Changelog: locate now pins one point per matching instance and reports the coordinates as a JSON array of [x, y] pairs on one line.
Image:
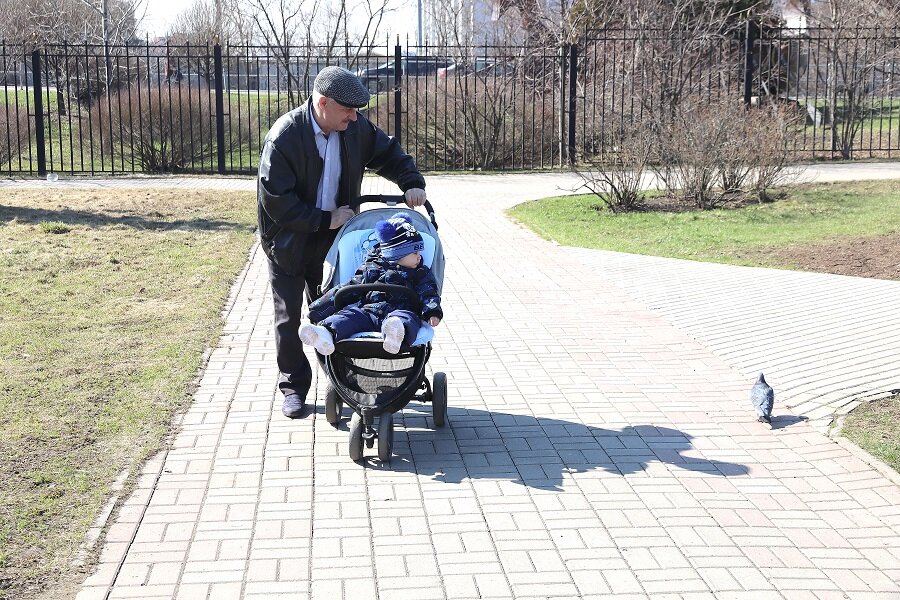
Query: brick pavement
[[600, 445]]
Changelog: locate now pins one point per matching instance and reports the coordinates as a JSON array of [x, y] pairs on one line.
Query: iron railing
[[207, 108], [844, 85]]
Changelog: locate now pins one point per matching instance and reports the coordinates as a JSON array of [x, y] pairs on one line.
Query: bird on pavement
[[763, 398]]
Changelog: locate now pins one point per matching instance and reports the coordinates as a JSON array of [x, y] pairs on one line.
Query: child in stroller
[[379, 371], [395, 260]]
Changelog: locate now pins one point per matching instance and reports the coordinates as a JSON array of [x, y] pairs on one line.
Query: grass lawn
[[107, 302], [812, 213], [874, 426]]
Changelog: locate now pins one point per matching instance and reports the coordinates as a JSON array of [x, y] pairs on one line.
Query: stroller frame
[[374, 422]]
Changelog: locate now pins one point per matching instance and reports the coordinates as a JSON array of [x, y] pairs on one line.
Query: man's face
[[334, 116]]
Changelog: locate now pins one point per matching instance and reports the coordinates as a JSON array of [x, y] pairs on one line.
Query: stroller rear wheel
[[333, 406], [356, 438], [439, 399], [385, 436]]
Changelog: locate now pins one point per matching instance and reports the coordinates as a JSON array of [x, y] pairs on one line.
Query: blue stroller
[[361, 374]]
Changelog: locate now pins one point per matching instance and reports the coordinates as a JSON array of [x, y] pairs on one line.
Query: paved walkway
[[600, 440]]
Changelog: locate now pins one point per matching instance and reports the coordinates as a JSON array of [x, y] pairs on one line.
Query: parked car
[[380, 78], [479, 66]]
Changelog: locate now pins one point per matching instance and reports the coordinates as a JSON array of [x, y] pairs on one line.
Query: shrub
[[163, 129], [693, 147], [14, 133], [771, 147], [616, 176], [475, 120], [711, 154]]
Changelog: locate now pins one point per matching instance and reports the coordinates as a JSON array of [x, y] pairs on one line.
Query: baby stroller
[[361, 374]]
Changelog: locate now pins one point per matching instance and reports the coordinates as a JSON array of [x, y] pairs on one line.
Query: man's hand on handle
[[340, 215], [415, 197], [434, 321]]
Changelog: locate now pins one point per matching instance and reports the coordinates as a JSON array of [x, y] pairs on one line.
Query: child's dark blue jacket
[[377, 269]]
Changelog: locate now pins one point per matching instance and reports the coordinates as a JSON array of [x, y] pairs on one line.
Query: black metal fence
[[843, 85], [86, 109]]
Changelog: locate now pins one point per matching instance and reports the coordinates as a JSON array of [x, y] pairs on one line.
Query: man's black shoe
[[292, 407]]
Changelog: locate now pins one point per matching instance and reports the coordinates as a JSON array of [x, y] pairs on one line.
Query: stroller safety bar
[[352, 293], [391, 200]]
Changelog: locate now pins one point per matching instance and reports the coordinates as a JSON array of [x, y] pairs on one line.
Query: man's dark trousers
[[288, 291]]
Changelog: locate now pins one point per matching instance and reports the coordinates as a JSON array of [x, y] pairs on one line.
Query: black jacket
[[289, 173]]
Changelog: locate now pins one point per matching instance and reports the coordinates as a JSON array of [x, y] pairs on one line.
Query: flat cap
[[341, 85]]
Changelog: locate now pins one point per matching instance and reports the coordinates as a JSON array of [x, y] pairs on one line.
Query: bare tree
[[38, 23], [321, 28], [484, 91], [860, 47], [42, 24], [671, 71]]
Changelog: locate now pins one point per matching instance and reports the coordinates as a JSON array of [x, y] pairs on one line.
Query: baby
[[397, 260]]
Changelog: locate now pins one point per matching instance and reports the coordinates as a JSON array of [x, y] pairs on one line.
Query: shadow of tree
[[99, 219], [537, 452]]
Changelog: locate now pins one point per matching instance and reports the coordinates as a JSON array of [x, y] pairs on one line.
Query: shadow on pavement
[[780, 422], [537, 452]]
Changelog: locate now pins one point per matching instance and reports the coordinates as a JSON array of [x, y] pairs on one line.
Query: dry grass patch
[[873, 427], [107, 301]]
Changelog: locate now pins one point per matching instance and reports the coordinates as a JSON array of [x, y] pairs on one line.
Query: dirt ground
[[876, 257]]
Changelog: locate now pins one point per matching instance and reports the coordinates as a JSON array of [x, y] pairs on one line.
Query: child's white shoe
[[318, 337], [393, 332]]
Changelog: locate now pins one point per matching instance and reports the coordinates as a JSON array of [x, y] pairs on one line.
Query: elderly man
[[311, 166]]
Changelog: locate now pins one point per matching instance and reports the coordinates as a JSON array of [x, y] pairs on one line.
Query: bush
[[164, 129], [723, 151], [695, 148], [616, 177], [15, 127], [771, 147], [480, 121]]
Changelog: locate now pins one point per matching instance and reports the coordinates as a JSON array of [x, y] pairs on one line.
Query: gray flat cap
[[341, 85]]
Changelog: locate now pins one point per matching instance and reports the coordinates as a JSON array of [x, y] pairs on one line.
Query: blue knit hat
[[397, 237]]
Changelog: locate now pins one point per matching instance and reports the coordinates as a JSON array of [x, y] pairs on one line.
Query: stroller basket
[[371, 382]]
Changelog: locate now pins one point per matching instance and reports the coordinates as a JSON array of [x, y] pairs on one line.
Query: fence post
[[38, 112], [398, 100], [751, 33], [573, 81], [563, 57], [220, 109]]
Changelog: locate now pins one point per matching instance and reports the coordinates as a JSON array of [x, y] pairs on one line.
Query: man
[[311, 166]]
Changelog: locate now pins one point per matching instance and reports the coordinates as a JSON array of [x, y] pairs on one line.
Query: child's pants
[[352, 319]]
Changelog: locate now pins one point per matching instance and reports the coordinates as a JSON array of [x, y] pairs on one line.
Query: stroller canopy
[[357, 237]]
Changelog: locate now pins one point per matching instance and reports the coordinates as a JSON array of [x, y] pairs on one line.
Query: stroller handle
[[390, 200], [351, 293]]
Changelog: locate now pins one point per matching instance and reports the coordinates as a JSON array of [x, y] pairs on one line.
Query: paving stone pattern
[[600, 442]]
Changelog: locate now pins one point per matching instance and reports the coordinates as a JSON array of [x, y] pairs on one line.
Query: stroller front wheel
[[385, 436], [439, 399], [333, 407], [356, 438]]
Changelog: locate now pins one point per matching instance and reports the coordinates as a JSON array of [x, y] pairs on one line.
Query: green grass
[[813, 213], [54, 227], [873, 426], [102, 329]]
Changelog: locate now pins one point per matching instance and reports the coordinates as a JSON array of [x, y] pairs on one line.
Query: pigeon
[[763, 398]]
